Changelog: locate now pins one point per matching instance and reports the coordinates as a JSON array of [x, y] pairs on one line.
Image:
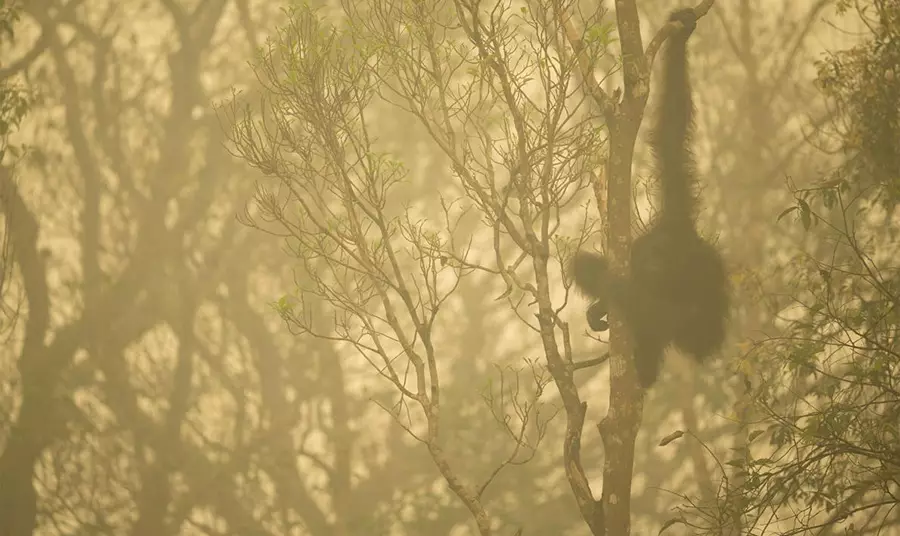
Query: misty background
[[256, 281]]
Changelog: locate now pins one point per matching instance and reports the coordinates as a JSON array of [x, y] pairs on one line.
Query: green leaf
[[785, 212], [805, 214]]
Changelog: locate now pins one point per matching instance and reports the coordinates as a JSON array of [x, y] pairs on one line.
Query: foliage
[[14, 102], [864, 84], [14, 99]]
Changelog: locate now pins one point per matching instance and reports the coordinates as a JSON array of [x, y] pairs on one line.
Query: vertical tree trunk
[[620, 426]]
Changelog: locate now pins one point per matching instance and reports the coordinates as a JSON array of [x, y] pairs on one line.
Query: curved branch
[[656, 43], [42, 43], [26, 60]]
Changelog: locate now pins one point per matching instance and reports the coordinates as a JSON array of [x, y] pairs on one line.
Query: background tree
[[13, 106]]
